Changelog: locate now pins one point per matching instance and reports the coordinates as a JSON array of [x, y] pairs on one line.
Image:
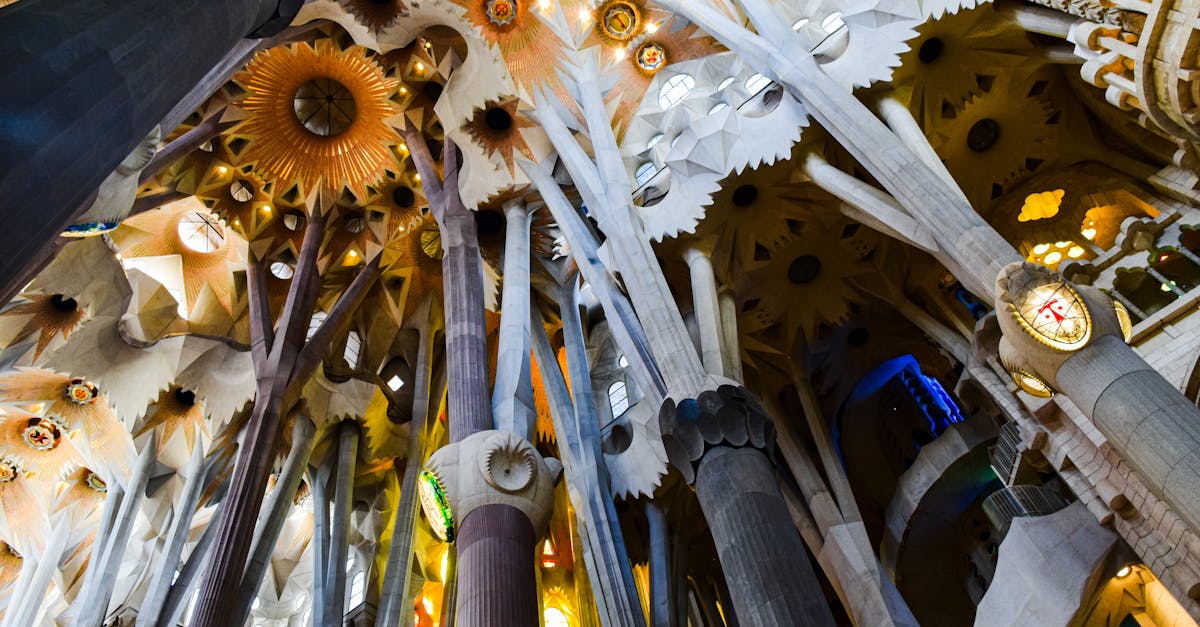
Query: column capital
[[487, 468], [728, 415], [1044, 319]]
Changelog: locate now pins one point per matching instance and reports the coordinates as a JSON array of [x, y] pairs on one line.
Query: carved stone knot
[[728, 416]]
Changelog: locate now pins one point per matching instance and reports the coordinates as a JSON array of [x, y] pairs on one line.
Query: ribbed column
[[1145, 418], [765, 564], [660, 574], [83, 82], [496, 547], [335, 581], [708, 313]]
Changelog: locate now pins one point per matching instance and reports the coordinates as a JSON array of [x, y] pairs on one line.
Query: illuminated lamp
[[620, 20], [1124, 320], [41, 435], [95, 482], [82, 392], [1031, 384], [502, 12], [435, 505], [8, 471], [1052, 312], [651, 57], [1124, 571]]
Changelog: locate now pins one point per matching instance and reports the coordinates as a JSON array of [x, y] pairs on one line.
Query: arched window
[[757, 83], [358, 589], [314, 323], [353, 347], [832, 22], [645, 172], [675, 89], [618, 398], [554, 617]]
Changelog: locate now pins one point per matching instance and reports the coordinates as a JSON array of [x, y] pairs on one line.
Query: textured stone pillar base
[[766, 566], [497, 585]]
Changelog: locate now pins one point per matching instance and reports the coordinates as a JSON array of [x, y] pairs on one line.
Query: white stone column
[[731, 350], [335, 577], [512, 396], [707, 309], [160, 585]]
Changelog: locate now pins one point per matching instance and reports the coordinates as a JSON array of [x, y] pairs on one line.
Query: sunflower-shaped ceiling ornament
[[958, 57], [80, 412], [80, 493], [999, 139], [411, 267], [805, 284], [207, 249], [526, 43], [496, 127], [318, 114], [376, 15], [402, 200], [753, 214], [180, 414], [38, 443], [636, 42], [49, 316]]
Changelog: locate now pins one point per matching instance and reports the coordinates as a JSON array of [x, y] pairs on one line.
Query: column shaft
[[765, 564], [497, 585], [512, 398], [707, 310], [340, 522], [660, 590], [1145, 418]]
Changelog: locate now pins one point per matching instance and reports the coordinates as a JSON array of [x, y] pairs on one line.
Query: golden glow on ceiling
[[283, 149]]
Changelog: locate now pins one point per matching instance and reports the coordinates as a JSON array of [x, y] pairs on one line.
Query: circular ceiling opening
[[403, 197], [745, 195], [931, 50], [325, 107], [498, 119], [489, 222], [185, 397], [62, 303], [804, 269], [983, 135]]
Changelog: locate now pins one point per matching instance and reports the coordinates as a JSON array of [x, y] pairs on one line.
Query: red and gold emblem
[[82, 392], [8, 471], [620, 20], [502, 12], [651, 57], [41, 434]]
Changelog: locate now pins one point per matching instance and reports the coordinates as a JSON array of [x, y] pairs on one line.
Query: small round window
[[201, 232]]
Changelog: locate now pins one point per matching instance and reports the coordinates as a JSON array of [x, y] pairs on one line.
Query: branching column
[[495, 531]]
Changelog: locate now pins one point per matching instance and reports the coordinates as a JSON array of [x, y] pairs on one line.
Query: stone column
[[731, 350], [335, 578], [660, 591], [1064, 337], [318, 479], [275, 511], [500, 494], [707, 309], [512, 396], [84, 81], [160, 585], [394, 594], [716, 441]]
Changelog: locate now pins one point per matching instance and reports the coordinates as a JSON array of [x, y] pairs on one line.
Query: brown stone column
[[83, 82], [497, 585]]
